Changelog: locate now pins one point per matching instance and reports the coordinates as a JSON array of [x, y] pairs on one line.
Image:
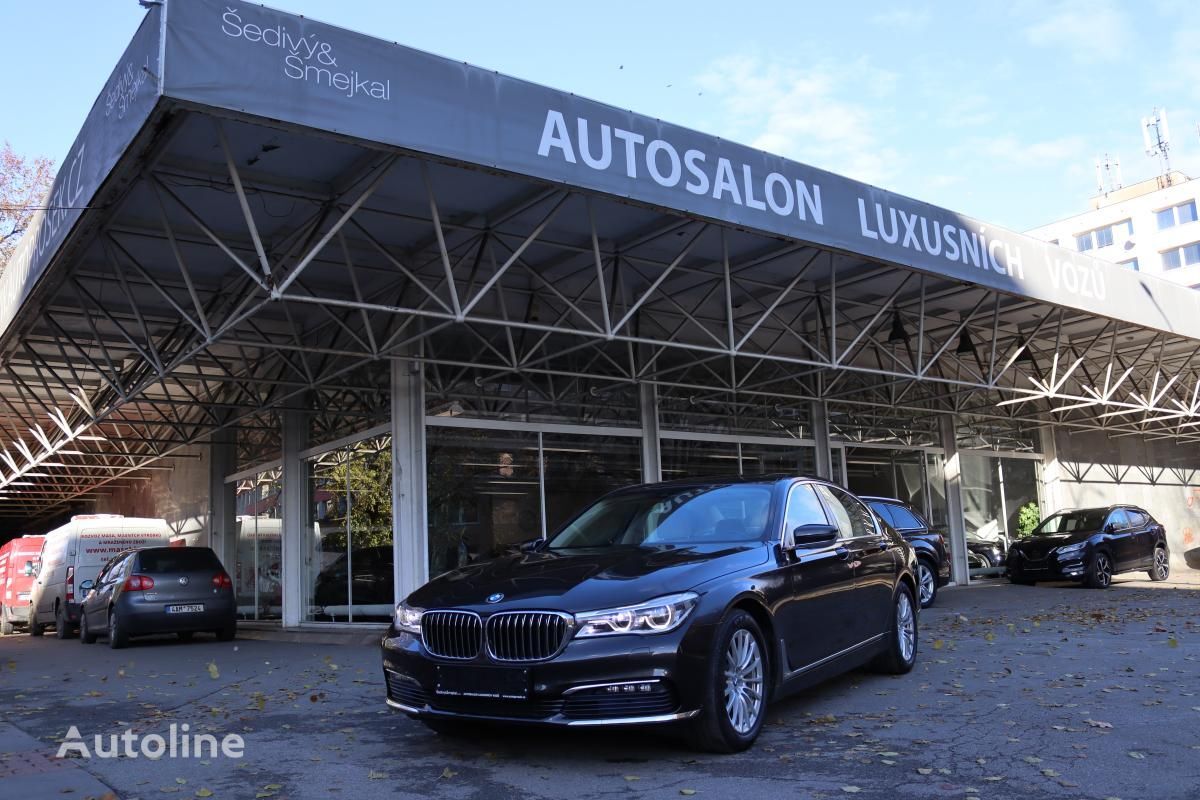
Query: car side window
[[905, 519], [853, 518], [884, 510], [1138, 519], [803, 508], [1119, 519]]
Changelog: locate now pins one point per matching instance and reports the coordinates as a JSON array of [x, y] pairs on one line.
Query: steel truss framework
[[245, 269]]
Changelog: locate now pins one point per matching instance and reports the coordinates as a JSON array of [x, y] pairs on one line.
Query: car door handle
[[842, 552]]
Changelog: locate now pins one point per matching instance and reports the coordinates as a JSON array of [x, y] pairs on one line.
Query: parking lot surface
[[1019, 692]]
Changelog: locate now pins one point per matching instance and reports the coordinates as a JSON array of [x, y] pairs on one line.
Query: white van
[[75, 553]]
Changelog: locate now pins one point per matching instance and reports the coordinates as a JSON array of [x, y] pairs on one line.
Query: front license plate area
[[496, 683], [193, 608]]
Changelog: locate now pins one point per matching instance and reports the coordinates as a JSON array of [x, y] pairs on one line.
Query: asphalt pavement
[[1019, 692]]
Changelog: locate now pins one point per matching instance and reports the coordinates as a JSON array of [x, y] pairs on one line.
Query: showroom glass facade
[[491, 489], [257, 560], [500, 468], [350, 562]]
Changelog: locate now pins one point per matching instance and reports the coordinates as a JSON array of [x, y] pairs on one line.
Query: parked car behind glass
[[178, 590], [933, 558], [692, 603], [1091, 545]]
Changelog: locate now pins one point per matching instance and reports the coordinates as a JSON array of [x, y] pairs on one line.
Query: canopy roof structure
[[261, 211]]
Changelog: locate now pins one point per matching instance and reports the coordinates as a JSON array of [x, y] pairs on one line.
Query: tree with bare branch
[[24, 185]]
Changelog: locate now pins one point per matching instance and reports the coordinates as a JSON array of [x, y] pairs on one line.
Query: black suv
[[933, 559], [1091, 545]]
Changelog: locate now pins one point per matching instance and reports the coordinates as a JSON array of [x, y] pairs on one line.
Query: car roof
[[726, 480]]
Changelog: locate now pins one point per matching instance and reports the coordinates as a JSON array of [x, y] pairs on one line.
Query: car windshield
[[671, 516], [1084, 519]]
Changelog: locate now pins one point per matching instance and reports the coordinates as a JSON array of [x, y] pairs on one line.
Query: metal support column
[[820, 435], [952, 468], [295, 543], [651, 455], [410, 532], [1052, 494], [222, 519]]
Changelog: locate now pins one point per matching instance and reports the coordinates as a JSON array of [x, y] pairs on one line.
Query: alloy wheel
[[1161, 565], [906, 627], [743, 681], [928, 586], [1103, 570]]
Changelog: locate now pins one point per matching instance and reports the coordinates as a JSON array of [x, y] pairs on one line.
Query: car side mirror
[[532, 545], [1110, 528], [814, 535], [86, 586]]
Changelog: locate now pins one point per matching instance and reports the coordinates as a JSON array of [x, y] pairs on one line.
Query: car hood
[[1056, 540], [586, 580]]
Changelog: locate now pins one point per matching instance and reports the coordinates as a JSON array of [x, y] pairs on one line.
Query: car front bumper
[[1052, 567], [617, 680]]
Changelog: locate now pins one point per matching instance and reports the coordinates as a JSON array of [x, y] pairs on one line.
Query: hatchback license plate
[[498, 683], [189, 609]]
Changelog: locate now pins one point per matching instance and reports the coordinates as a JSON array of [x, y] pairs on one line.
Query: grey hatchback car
[[155, 590]]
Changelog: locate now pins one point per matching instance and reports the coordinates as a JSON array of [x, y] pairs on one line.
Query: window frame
[[785, 536], [833, 491]]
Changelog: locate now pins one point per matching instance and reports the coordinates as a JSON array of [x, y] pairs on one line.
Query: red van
[[18, 565]]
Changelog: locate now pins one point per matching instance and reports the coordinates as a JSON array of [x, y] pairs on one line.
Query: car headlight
[[408, 618], [659, 615], [1072, 549]]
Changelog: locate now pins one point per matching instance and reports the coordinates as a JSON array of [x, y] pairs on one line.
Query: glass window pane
[[685, 458], [1104, 237], [580, 469], [1186, 212], [768, 459], [1118, 519], [884, 510], [482, 492], [1083, 242], [1165, 218], [803, 508], [905, 519], [1171, 259], [257, 567], [852, 517], [1191, 254]]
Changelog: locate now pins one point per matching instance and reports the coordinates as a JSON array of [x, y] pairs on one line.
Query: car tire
[[1099, 572], [731, 717], [117, 637], [227, 633], [6, 626], [35, 627], [986, 559], [184, 636], [927, 581], [1161, 570], [901, 652], [85, 635], [62, 628]]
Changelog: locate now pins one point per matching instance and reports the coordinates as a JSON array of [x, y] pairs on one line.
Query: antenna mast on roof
[[1108, 175], [1157, 138]]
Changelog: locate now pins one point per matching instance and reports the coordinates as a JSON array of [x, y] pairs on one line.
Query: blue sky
[[994, 109]]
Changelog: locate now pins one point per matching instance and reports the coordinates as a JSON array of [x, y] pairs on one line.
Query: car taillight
[[139, 583], [221, 581], [70, 584]]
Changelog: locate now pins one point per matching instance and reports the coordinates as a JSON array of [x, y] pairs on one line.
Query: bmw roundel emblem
[[495, 598]]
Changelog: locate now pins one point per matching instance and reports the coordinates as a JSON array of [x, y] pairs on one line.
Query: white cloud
[[1086, 30], [910, 19], [804, 114], [1011, 151]]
